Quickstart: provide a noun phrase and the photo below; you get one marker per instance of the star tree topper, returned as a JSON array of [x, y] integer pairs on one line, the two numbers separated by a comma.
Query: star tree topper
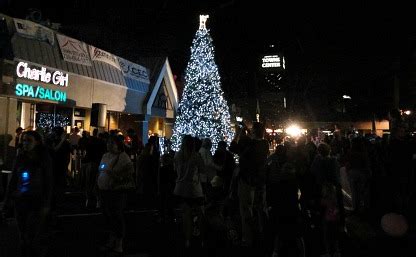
[[202, 20]]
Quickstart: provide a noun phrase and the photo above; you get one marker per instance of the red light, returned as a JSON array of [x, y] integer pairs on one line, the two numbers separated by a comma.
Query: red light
[[127, 140]]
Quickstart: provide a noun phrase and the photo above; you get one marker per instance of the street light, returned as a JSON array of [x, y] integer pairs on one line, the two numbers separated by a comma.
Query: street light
[[293, 130], [344, 97]]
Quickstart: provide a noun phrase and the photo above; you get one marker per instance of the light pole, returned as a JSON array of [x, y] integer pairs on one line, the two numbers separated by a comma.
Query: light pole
[[345, 97]]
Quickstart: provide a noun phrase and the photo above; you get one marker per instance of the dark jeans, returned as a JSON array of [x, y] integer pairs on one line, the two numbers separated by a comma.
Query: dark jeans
[[59, 188], [252, 201], [331, 236], [167, 201], [89, 177], [32, 227], [359, 189], [113, 204]]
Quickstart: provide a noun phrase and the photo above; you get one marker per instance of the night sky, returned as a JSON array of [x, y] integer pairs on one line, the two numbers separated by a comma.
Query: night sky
[[330, 50]]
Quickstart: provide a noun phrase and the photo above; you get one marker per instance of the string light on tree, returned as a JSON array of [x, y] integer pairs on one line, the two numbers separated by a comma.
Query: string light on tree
[[203, 111]]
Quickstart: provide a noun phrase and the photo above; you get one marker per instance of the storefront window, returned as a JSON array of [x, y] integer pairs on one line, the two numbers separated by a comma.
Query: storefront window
[[49, 116]]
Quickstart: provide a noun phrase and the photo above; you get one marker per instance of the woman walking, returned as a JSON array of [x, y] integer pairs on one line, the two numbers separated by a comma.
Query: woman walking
[[114, 179], [188, 166]]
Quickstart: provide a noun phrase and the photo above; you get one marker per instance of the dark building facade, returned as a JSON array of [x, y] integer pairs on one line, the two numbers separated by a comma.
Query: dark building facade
[[49, 79]]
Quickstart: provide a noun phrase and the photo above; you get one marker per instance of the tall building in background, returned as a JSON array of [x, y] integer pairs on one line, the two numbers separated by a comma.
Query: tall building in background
[[271, 84], [273, 67]]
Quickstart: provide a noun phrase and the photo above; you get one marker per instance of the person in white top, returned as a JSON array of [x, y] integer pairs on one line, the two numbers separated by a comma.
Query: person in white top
[[189, 168], [114, 180]]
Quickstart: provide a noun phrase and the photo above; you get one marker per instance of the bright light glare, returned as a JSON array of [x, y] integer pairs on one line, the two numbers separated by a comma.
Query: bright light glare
[[293, 130], [346, 97], [407, 112]]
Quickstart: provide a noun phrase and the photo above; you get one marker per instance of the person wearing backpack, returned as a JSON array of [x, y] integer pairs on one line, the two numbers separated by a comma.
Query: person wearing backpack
[[285, 213], [325, 169], [330, 219]]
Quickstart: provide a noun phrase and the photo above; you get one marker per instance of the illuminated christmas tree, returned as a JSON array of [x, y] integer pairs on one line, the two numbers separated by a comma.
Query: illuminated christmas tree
[[203, 111]]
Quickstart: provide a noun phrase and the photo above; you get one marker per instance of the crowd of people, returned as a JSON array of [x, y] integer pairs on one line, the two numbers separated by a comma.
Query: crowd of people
[[257, 198]]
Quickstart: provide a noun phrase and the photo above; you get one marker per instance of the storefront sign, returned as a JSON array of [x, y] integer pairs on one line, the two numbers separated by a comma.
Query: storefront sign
[[272, 61], [73, 50], [57, 78], [100, 55], [33, 30], [133, 70], [39, 92]]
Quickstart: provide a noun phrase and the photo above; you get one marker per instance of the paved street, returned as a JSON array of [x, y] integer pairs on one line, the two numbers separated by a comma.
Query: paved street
[[80, 234]]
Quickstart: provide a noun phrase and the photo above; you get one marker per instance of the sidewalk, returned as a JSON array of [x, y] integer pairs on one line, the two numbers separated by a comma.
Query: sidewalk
[[79, 234], [9, 239]]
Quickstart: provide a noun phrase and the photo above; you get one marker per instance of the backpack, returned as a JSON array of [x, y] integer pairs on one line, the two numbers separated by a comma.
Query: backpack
[[256, 163], [329, 203]]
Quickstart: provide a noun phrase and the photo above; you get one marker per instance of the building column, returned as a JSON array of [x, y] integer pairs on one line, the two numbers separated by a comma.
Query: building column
[[396, 92], [143, 128], [168, 128], [28, 115]]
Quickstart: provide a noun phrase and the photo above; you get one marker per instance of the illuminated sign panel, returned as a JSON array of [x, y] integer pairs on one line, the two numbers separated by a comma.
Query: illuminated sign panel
[[57, 77], [39, 92], [273, 61]]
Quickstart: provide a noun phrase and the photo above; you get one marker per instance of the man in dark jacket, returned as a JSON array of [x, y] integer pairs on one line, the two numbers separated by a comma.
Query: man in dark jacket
[[225, 159], [61, 153], [251, 187]]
